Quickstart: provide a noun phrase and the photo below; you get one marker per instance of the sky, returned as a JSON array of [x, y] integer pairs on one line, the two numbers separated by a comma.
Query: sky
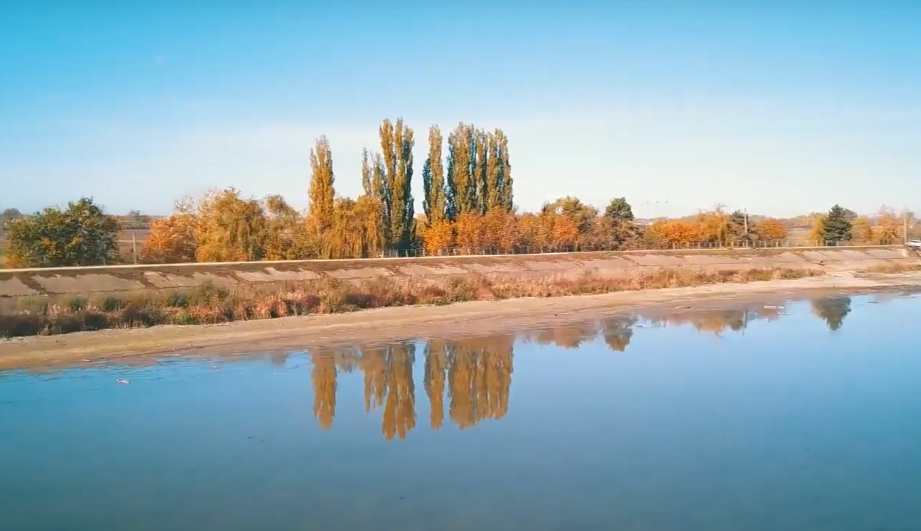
[[780, 109]]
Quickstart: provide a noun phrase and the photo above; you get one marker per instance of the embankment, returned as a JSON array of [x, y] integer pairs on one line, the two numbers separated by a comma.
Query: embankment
[[57, 282]]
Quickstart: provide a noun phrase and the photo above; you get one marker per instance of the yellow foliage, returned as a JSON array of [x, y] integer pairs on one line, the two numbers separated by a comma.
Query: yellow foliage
[[230, 228], [817, 234], [861, 230]]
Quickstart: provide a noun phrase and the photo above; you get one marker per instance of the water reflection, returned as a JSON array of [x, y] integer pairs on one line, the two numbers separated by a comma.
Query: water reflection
[[476, 374], [832, 310]]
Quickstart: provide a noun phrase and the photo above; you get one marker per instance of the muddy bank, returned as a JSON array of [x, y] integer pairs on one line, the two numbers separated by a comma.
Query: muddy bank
[[390, 324]]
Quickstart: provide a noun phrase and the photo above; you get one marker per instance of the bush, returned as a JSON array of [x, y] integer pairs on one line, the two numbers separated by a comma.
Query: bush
[[80, 235]]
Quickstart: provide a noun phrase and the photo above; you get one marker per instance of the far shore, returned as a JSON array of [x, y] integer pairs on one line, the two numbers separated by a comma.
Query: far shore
[[394, 324]]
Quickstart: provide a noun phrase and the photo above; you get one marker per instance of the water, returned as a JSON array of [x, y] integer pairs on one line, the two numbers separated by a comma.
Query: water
[[806, 417]]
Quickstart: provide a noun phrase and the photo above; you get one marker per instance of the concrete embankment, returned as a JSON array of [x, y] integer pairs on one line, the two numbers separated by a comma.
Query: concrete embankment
[[56, 282]]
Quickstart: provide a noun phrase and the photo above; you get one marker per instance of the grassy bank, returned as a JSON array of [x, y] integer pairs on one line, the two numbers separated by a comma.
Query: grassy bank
[[209, 304]]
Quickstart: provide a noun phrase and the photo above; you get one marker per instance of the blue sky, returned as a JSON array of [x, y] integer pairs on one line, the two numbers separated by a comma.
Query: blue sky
[[780, 109]]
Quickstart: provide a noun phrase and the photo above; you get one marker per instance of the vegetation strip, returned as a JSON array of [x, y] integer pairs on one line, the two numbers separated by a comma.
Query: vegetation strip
[[210, 304]]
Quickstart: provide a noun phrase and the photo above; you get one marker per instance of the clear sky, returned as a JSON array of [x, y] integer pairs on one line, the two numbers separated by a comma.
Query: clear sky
[[780, 109]]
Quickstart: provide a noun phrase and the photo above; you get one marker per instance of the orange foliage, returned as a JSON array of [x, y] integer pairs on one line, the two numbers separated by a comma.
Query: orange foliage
[[471, 232], [439, 237], [172, 240], [770, 230], [673, 232]]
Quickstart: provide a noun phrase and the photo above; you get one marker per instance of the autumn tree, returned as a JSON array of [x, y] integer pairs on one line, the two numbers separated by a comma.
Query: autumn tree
[[770, 230], [504, 170], [286, 237], [433, 179], [461, 184], [399, 211], [616, 229], [439, 237], [837, 226], [230, 228], [817, 231], [470, 232], [862, 230], [172, 239], [322, 187], [79, 235], [665, 232], [889, 226]]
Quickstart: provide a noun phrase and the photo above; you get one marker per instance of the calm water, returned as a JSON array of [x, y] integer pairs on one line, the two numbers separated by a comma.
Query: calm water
[[802, 417]]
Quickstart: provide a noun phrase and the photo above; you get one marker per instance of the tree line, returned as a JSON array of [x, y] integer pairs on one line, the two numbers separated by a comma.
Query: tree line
[[468, 207]]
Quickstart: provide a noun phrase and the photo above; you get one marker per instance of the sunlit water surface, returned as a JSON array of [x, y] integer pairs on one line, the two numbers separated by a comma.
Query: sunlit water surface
[[802, 417]]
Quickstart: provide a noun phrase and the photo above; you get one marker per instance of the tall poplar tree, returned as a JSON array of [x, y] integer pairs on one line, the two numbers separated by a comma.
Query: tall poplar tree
[[506, 196], [433, 179], [492, 172], [397, 146], [322, 191], [462, 193], [480, 171]]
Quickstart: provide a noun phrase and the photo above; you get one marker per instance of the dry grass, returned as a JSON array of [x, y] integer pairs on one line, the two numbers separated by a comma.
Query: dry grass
[[209, 304], [892, 267]]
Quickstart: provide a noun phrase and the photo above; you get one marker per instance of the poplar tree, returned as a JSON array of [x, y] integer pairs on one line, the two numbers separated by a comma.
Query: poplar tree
[[397, 146], [433, 179], [492, 172], [322, 192], [480, 171], [461, 184], [506, 196]]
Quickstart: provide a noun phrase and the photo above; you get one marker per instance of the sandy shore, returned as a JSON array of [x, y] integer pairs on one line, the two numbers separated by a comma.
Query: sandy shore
[[390, 324]]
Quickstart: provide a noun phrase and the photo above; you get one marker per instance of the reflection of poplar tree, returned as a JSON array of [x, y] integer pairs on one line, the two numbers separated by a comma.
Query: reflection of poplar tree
[[479, 378], [436, 359], [374, 368], [400, 405], [323, 378]]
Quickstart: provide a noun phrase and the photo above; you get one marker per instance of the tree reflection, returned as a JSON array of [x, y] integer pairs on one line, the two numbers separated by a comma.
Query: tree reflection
[[436, 362], [832, 310], [568, 337], [717, 322], [323, 378], [400, 406], [617, 332], [479, 378]]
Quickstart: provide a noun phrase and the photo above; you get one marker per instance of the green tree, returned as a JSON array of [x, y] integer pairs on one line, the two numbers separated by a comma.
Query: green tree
[[80, 235], [617, 224], [493, 182], [480, 171], [433, 179], [506, 195], [9, 215], [322, 190], [837, 226], [619, 210]]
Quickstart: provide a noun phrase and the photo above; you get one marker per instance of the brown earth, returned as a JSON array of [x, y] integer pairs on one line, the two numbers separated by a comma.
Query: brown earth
[[391, 324]]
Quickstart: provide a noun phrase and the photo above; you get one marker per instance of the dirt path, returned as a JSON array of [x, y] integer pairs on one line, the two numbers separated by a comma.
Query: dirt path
[[390, 324]]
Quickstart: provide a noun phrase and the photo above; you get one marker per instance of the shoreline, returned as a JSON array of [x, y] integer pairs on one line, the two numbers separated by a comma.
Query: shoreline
[[396, 323]]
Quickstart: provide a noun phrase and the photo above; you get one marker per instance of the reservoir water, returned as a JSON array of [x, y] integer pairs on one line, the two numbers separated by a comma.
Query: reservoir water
[[800, 417]]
